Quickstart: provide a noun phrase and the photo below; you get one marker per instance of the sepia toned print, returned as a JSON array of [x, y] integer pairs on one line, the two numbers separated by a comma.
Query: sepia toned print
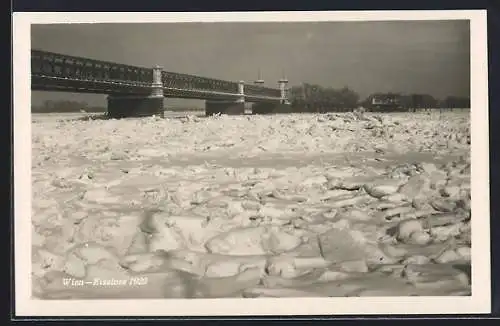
[[251, 160]]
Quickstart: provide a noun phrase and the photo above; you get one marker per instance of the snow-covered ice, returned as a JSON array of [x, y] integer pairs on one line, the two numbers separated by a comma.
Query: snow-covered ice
[[298, 205]]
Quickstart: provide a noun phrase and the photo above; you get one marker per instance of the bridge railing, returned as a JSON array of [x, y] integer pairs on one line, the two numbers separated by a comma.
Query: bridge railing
[[254, 90], [70, 67], [190, 82]]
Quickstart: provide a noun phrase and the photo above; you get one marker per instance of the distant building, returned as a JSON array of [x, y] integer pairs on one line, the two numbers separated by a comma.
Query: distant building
[[388, 101]]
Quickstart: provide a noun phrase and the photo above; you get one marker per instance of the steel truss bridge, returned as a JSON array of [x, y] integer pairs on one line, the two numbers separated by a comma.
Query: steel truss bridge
[[63, 73]]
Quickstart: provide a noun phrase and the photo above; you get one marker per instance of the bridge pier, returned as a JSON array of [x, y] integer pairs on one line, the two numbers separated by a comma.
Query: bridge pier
[[224, 107], [269, 108], [227, 107], [124, 106]]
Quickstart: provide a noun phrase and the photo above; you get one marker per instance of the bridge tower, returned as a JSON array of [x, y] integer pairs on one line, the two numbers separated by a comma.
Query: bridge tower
[[259, 80], [283, 82], [241, 91], [157, 82], [120, 106]]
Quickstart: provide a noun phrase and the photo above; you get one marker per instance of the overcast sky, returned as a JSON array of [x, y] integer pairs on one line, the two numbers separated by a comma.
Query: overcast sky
[[408, 56]]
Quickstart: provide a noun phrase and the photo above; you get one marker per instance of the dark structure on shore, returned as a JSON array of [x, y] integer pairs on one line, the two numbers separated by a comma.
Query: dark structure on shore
[[380, 102], [396, 102]]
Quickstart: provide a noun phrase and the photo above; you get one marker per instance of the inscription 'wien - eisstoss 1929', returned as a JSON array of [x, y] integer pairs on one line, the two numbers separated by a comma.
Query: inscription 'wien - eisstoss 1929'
[[133, 281]]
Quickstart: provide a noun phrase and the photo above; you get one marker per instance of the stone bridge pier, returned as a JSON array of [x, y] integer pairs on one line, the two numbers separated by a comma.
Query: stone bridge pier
[[268, 108], [227, 107], [238, 107], [122, 106]]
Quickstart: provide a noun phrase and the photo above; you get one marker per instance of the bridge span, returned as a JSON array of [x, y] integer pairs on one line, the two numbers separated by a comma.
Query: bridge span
[[138, 91]]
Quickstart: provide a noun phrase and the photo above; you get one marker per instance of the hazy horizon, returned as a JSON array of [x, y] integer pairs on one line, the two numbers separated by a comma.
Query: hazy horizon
[[431, 57]]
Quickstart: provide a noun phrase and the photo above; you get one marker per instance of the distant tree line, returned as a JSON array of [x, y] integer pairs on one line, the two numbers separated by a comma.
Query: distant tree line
[[65, 107], [316, 98], [455, 102]]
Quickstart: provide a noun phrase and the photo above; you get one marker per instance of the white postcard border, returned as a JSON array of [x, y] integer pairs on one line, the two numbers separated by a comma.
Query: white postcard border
[[479, 302]]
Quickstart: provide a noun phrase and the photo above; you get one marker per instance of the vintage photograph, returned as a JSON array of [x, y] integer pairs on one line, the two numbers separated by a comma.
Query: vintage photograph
[[252, 159]]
